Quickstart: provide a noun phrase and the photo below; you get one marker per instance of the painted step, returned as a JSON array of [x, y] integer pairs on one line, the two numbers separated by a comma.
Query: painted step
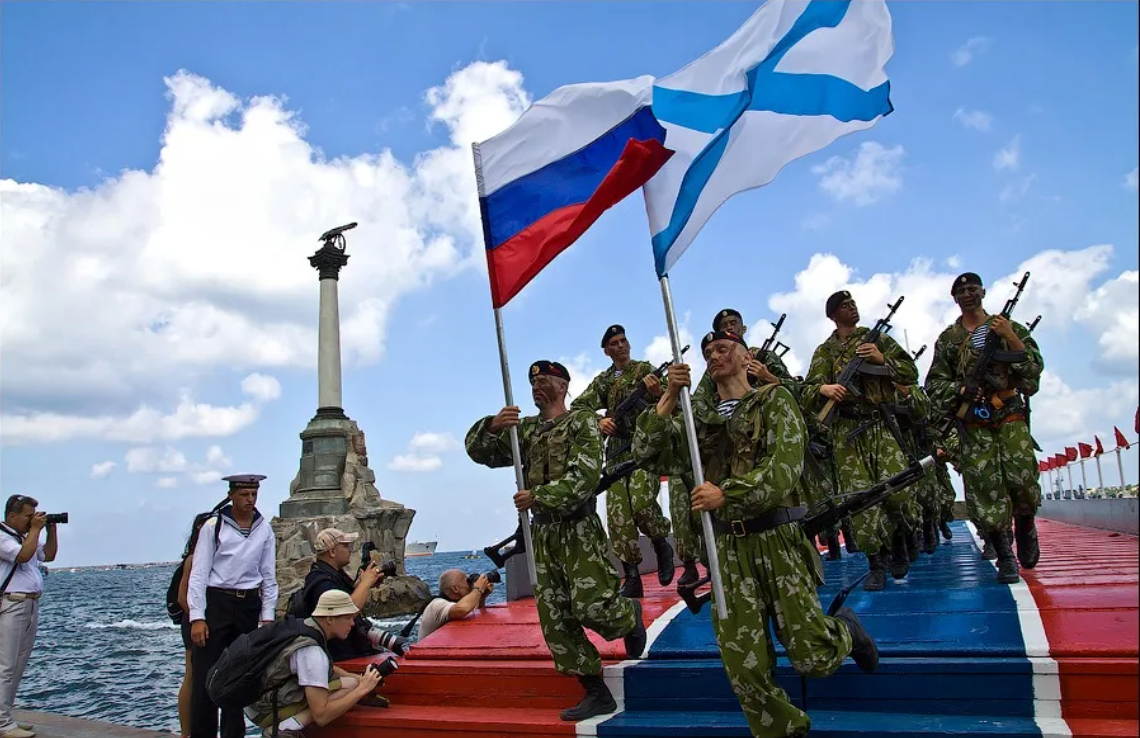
[[435, 721]]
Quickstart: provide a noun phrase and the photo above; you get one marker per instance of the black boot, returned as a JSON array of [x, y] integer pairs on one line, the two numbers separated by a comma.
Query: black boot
[[1006, 561], [1028, 550], [689, 574], [834, 553], [944, 526], [849, 541], [598, 701], [863, 649], [664, 553], [913, 545], [989, 553], [877, 579], [635, 641], [900, 557], [929, 537], [631, 587]]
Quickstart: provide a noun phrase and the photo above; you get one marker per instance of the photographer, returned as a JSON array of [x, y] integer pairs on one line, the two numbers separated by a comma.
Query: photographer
[[458, 597], [21, 584], [334, 549]]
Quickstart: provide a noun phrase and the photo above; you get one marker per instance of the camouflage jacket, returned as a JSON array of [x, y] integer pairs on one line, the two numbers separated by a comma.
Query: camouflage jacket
[[608, 390], [756, 456], [832, 357], [954, 360], [706, 388], [562, 458]]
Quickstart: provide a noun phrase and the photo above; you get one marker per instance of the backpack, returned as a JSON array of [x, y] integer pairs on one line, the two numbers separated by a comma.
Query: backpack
[[173, 609], [237, 680]]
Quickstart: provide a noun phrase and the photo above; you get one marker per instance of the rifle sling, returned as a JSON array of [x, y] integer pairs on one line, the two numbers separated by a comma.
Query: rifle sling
[[761, 523]]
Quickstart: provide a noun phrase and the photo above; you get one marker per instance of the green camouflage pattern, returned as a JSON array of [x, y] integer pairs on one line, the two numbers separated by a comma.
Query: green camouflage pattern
[[997, 461], [770, 578], [917, 427], [874, 454], [631, 503], [706, 389], [577, 584], [688, 538]]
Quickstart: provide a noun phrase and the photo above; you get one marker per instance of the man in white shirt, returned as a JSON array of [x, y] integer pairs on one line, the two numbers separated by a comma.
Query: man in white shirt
[[233, 587], [21, 584], [457, 599]]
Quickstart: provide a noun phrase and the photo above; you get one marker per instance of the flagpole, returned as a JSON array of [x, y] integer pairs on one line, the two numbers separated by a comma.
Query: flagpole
[[1120, 467], [508, 393], [695, 456], [1084, 480], [1099, 474], [1069, 472]]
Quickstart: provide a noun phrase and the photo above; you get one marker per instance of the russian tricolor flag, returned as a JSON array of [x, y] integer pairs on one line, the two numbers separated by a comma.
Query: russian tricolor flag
[[570, 157]]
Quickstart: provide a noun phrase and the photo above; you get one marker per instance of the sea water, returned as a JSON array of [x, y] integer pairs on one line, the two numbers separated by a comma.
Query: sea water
[[106, 650]]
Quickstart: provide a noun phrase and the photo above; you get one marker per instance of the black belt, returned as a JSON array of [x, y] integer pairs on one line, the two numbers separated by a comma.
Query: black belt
[[584, 510], [763, 522], [241, 594]]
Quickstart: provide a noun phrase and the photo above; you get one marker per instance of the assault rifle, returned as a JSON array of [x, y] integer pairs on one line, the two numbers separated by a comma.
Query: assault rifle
[[513, 544], [1025, 398], [771, 340], [859, 365], [822, 519], [919, 353], [623, 414], [981, 377], [782, 349]]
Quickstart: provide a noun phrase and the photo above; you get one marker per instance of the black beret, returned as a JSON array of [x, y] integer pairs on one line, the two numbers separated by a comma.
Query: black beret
[[724, 314], [550, 368], [721, 336], [613, 330], [964, 279], [244, 481], [835, 301]]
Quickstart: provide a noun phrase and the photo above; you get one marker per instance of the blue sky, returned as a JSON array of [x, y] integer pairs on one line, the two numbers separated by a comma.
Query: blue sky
[[157, 225]]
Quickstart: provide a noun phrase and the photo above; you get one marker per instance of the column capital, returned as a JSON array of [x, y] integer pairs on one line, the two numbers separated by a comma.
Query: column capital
[[328, 261]]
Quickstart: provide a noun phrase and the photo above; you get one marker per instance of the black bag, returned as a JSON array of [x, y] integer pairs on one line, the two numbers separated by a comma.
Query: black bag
[[173, 609], [237, 680]]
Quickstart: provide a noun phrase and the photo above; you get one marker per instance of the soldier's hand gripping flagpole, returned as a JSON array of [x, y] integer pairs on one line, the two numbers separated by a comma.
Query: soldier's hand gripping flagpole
[[695, 456]]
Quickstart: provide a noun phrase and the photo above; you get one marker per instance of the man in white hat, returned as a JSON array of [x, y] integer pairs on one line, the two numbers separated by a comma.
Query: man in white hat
[[315, 690]]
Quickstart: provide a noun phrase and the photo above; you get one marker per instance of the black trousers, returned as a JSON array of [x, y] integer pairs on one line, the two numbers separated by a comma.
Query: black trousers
[[227, 617]]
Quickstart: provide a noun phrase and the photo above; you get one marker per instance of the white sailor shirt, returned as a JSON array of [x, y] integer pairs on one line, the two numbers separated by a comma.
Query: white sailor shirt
[[241, 561], [28, 578]]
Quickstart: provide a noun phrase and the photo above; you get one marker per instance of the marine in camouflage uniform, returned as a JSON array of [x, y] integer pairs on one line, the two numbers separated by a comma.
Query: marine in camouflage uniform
[[752, 444], [874, 454], [577, 584], [999, 466], [631, 503], [915, 418]]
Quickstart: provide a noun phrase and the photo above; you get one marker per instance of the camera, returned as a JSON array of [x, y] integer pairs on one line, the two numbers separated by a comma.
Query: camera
[[385, 668], [387, 566], [56, 518], [492, 576]]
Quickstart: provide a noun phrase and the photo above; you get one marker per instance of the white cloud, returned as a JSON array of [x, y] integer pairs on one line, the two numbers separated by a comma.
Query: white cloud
[[146, 425], [873, 172], [1017, 189], [979, 120], [261, 387], [166, 482], [414, 463], [583, 368], [1112, 311], [205, 477], [964, 54], [215, 457], [660, 349], [149, 460], [155, 279], [1009, 156], [102, 469], [433, 443], [1132, 179], [1063, 415], [954, 262]]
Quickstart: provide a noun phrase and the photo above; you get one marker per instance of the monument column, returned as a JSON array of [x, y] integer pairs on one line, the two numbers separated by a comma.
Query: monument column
[[328, 262]]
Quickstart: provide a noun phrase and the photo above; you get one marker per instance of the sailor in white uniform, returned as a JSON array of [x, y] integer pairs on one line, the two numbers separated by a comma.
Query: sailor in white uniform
[[233, 588]]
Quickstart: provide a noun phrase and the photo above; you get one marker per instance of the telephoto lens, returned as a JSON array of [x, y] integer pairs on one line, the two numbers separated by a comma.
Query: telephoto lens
[[492, 576], [386, 667], [388, 568], [57, 518]]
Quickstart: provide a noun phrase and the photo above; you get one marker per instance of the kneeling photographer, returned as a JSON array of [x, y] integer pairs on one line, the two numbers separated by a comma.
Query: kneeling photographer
[[459, 595], [334, 549]]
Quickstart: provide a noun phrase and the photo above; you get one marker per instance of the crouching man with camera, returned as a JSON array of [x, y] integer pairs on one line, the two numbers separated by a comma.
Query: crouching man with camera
[[459, 595], [313, 689], [334, 549], [21, 584]]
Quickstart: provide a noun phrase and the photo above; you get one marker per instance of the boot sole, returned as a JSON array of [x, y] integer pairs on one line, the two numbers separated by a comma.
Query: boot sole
[[571, 717]]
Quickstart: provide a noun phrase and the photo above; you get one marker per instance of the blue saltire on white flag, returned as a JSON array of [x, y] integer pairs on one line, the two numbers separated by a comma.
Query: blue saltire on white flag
[[795, 77]]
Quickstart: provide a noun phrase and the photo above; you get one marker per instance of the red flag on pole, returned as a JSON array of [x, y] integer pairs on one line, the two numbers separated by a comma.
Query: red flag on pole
[[1059, 460], [1099, 447], [1070, 453], [1042, 467], [1086, 450], [1121, 441]]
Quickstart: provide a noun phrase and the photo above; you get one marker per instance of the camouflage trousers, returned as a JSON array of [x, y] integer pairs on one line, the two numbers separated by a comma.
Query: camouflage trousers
[[688, 538], [946, 494], [631, 506], [870, 457], [999, 472], [577, 589], [770, 578], [818, 482], [928, 495]]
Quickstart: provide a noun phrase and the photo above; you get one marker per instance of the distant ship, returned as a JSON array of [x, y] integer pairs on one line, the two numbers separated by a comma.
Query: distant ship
[[416, 548]]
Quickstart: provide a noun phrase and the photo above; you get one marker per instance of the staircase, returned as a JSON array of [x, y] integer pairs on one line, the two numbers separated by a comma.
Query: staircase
[[960, 655]]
